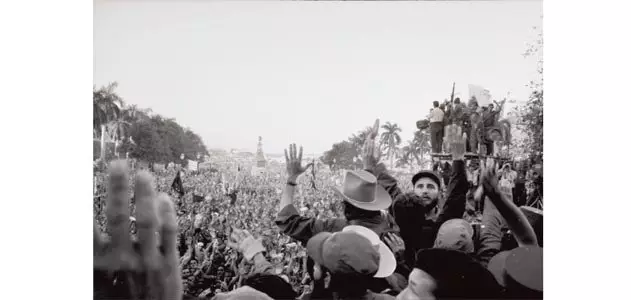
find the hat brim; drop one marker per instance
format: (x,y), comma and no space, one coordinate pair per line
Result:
(524,265)
(387,260)
(315,246)
(497,267)
(382,199)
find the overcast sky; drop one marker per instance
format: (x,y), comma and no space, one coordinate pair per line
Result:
(311,73)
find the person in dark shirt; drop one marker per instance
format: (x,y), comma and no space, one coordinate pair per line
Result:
(362,197)
(417,213)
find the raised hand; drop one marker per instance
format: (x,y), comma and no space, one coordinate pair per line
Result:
(456,141)
(370,153)
(395,243)
(375,130)
(488,177)
(245,243)
(294,163)
(151,273)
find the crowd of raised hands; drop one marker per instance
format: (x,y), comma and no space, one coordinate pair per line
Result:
(208,264)
(151,243)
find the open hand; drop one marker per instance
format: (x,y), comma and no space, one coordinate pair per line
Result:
(245,243)
(152,269)
(294,163)
(456,140)
(488,177)
(370,153)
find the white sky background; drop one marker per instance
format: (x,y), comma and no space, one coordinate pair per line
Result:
(311,73)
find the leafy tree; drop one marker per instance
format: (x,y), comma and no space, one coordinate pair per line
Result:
(117,130)
(530,115)
(391,139)
(106,105)
(343,155)
(144,135)
(422,146)
(194,145)
(149,144)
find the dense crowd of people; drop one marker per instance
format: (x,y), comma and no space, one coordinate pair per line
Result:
(453,232)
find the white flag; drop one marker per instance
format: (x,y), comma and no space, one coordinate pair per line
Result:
(481,94)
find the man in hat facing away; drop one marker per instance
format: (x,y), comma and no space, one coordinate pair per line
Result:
(363,199)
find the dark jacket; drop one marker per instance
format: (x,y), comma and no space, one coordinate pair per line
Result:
(417,230)
(302,229)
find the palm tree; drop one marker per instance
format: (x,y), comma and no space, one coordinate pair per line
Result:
(391,139)
(133,114)
(117,131)
(421,146)
(408,151)
(107,107)
(404,159)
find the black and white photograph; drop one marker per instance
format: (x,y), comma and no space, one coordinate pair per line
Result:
(314,149)
(318,150)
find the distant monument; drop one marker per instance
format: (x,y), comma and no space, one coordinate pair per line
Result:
(260,157)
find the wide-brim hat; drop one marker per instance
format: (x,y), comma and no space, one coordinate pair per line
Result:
(387,260)
(360,189)
(426,174)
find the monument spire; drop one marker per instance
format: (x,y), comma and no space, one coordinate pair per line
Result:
(260,156)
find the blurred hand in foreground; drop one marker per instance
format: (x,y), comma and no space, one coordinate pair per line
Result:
(150,268)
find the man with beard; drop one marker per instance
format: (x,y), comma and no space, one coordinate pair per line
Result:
(417,212)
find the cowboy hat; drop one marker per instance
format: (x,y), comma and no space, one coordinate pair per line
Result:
(361,190)
(387,260)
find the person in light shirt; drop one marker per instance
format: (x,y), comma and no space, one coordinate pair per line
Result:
(436,128)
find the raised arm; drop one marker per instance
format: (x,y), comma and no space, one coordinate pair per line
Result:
(288,219)
(513,216)
(252,250)
(491,233)
(455,203)
(294,170)
(370,157)
(302,228)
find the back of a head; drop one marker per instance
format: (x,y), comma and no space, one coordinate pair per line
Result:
(436,104)
(272,285)
(355,213)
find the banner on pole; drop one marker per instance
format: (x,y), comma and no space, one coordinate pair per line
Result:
(482,95)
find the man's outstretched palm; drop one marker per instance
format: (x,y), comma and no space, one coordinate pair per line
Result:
(294,163)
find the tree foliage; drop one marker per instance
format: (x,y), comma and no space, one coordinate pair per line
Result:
(343,155)
(391,139)
(146,136)
(347,154)
(530,115)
